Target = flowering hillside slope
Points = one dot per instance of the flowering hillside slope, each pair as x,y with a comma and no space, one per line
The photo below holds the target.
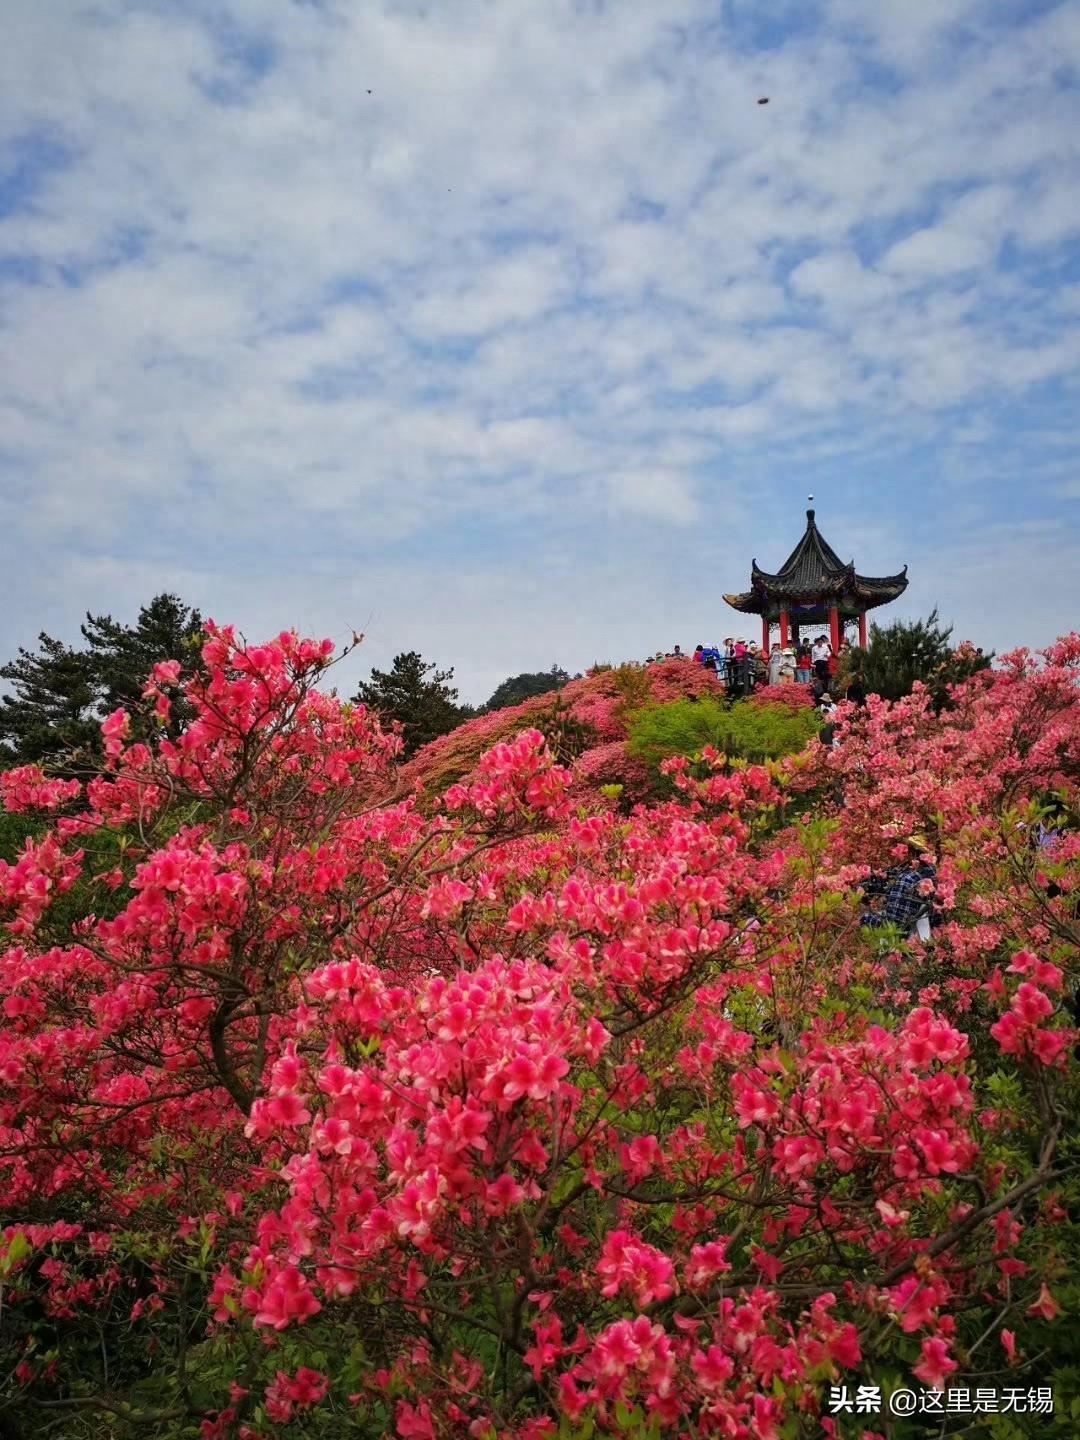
594,709
512,1117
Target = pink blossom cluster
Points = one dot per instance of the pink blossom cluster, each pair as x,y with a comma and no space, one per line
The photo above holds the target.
393,1084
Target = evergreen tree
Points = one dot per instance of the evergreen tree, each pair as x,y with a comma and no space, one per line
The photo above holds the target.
59,695
424,702
51,708
909,650
123,655
517,688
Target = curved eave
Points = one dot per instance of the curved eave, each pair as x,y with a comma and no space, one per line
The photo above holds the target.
749,604
897,583
879,592
847,589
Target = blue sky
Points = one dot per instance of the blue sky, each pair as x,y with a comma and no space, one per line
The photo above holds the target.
525,354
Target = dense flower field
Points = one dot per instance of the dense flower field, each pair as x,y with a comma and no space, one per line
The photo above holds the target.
597,706
490,1109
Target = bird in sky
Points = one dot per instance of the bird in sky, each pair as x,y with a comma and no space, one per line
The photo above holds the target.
764,100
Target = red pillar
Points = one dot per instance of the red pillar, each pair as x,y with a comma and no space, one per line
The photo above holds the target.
765,627
862,631
783,629
834,626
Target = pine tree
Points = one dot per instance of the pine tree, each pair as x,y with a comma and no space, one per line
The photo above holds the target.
59,695
517,688
123,655
424,703
50,711
906,651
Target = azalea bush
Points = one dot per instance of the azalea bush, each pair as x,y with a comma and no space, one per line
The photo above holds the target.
329,1107
763,728
592,713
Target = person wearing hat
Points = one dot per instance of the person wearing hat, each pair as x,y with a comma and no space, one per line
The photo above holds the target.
757,672
827,710
905,893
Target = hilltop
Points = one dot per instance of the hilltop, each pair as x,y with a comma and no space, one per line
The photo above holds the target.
585,723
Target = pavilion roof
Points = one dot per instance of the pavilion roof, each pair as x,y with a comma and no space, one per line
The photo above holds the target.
814,574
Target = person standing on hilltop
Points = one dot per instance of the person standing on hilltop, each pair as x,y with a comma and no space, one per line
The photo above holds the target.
726,661
737,668
820,655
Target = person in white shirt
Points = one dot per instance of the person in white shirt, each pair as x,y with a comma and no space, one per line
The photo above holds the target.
820,656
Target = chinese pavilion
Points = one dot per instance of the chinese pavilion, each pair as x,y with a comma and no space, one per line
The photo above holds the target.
814,586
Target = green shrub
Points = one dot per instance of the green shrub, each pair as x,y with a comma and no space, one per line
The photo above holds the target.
747,732
14,832
567,738
633,689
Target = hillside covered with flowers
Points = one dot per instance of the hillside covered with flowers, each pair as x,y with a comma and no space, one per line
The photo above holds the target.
469,1099
587,724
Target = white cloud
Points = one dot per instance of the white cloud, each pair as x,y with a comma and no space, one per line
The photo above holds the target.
656,494
902,32
968,236
507,291
557,289
839,280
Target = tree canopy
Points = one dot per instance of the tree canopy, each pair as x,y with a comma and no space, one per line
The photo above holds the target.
416,694
60,694
516,688
906,651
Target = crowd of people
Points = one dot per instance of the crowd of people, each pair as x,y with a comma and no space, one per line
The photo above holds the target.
742,668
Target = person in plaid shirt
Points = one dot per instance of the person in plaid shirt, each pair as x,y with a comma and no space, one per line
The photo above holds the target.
906,892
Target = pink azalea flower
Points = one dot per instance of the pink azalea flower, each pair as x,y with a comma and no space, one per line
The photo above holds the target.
936,1364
